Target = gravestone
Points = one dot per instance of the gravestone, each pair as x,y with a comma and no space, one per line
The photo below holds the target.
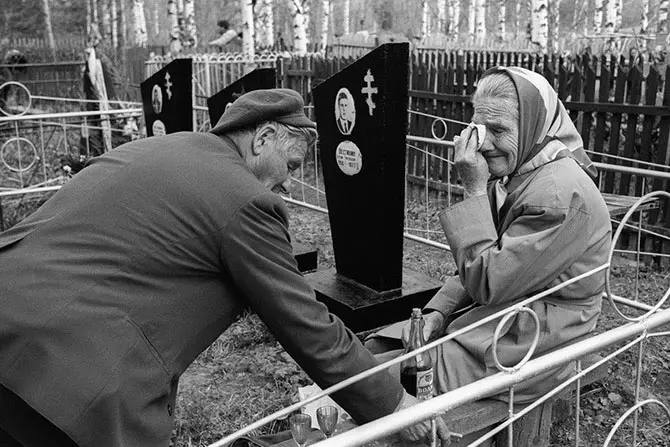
167,99
361,114
261,78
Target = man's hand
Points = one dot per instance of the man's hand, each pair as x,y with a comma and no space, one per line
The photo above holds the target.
433,322
470,163
422,430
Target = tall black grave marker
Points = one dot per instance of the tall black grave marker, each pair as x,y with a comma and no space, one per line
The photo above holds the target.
261,78
361,114
167,99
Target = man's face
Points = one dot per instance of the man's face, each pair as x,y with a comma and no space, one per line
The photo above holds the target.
277,160
501,144
343,103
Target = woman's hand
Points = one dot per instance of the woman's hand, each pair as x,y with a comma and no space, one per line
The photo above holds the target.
433,322
470,163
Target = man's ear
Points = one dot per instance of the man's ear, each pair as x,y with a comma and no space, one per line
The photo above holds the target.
264,136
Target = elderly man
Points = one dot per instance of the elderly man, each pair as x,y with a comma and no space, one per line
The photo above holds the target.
116,284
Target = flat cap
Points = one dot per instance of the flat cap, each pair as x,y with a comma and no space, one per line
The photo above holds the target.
278,104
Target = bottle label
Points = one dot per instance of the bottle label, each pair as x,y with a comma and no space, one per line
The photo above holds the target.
424,384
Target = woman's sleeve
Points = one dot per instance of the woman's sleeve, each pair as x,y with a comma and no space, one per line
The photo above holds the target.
538,245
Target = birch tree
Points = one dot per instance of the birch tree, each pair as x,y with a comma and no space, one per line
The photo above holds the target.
139,24
456,23
325,24
441,16
173,19
46,9
265,24
663,17
189,35
555,22
501,20
114,16
480,21
248,48
345,16
299,11
471,17
644,23
449,26
539,28
105,20
517,20
156,21
597,16
425,21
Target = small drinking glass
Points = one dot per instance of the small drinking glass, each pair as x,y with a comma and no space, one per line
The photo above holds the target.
327,416
301,425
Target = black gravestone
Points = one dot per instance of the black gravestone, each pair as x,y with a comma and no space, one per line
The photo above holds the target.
167,99
261,78
361,114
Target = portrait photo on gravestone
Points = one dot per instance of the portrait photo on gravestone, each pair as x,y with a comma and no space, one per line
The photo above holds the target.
167,99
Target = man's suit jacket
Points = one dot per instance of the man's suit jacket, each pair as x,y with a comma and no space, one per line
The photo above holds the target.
116,284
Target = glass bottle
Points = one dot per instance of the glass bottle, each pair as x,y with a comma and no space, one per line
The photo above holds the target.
416,373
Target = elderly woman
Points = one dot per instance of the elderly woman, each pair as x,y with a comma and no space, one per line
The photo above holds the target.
531,218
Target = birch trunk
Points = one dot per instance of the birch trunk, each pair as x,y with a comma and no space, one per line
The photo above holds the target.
518,31
88,15
609,17
539,25
449,19
471,17
501,20
114,14
189,33
46,9
156,20
555,23
663,16
425,21
94,12
441,16
299,13
173,19
106,20
455,24
597,16
325,24
644,23
480,21
345,17
248,48
265,25
139,24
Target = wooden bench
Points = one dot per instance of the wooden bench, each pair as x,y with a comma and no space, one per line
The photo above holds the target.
475,419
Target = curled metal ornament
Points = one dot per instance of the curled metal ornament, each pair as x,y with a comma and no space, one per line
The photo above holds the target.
531,351
631,411
18,141
615,239
7,85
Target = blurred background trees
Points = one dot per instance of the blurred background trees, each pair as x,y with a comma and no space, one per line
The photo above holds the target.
182,25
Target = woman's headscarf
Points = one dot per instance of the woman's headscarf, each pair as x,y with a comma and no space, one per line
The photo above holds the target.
546,131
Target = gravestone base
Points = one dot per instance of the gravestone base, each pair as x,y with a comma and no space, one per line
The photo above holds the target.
305,256
362,308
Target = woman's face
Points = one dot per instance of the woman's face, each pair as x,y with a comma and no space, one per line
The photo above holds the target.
501,144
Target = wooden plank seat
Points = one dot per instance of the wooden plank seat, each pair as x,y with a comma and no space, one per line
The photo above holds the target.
477,418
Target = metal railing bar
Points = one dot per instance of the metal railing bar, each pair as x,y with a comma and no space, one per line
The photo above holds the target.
491,385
